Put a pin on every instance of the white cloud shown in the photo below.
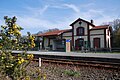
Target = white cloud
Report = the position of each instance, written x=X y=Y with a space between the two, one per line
x=99 y=16
x=73 y=7
x=103 y=19
x=34 y=17
x=91 y=13
x=58 y=6
x=37 y=11
x=88 y=5
x=33 y=22
x=2 y=22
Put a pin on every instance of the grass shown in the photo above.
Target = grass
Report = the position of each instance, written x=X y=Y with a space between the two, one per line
x=71 y=73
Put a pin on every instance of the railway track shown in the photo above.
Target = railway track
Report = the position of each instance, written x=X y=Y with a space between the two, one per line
x=96 y=64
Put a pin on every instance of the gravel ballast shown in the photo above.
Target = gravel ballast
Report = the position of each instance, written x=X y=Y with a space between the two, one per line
x=71 y=72
x=57 y=72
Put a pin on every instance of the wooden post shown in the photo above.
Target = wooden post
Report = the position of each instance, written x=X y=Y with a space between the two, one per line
x=39 y=62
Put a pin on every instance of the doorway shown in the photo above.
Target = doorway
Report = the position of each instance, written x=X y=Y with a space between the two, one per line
x=96 y=42
x=79 y=43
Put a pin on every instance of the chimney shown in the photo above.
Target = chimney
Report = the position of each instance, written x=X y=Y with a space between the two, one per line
x=91 y=21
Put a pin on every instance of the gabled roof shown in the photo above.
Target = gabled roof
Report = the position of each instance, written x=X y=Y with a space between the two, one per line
x=54 y=33
x=79 y=19
x=100 y=27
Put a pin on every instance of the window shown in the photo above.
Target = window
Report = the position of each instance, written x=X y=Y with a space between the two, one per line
x=108 y=32
x=80 y=31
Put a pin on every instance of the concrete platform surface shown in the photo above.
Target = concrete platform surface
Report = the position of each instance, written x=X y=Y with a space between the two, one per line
x=76 y=54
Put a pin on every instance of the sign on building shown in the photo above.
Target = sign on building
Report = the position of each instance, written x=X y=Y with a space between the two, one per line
x=68 y=48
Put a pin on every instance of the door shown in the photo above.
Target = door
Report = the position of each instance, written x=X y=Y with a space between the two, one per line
x=79 y=43
x=96 y=42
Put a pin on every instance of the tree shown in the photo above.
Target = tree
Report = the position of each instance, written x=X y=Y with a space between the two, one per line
x=116 y=24
x=50 y=30
x=117 y=38
x=116 y=32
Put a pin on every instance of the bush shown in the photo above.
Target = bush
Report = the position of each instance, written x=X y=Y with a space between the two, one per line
x=14 y=66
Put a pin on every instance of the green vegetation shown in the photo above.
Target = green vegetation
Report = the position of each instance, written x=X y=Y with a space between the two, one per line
x=14 y=67
x=71 y=73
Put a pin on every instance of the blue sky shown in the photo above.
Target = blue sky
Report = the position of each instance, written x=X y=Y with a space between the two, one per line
x=39 y=15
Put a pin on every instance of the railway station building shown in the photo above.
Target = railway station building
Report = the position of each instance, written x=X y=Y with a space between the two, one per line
x=82 y=34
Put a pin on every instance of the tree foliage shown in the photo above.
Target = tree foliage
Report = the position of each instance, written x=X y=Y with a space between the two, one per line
x=49 y=30
x=116 y=38
x=116 y=24
x=116 y=33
